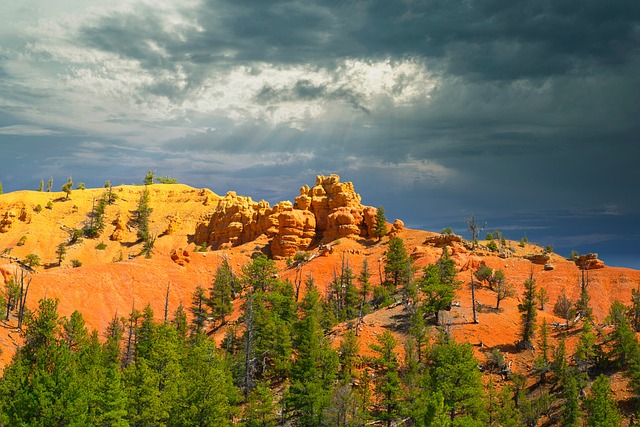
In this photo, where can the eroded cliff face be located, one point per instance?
(328, 211)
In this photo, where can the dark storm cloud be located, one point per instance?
(534, 106)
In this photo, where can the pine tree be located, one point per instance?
(260, 410)
(586, 349)
(502, 289)
(542, 363)
(571, 409)
(529, 312)
(220, 294)
(61, 252)
(148, 178)
(49, 185)
(364, 280)
(454, 372)
(1, 190)
(198, 309)
(348, 352)
(143, 215)
(67, 187)
(41, 186)
(388, 386)
(314, 368)
(380, 226)
(398, 266)
(601, 407)
(543, 297)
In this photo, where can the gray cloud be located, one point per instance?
(436, 109)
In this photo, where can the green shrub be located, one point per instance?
(101, 246)
(38, 208)
(22, 241)
(49, 205)
(76, 263)
(489, 236)
(447, 231)
(492, 246)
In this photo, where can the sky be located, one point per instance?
(524, 114)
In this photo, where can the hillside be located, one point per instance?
(195, 229)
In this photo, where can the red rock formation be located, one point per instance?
(296, 231)
(328, 211)
(589, 262)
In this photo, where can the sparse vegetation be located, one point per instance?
(61, 251)
(22, 241)
(166, 180)
(76, 263)
(447, 231)
(101, 246)
(148, 178)
(32, 260)
(49, 205)
(67, 187)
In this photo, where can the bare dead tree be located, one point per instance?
(473, 298)
(475, 228)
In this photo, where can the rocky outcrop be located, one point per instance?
(328, 211)
(540, 259)
(589, 262)
(7, 221)
(173, 225)
(440, 240)
(296, 231)
(120, 229)
(237, 220)
(181, 258)
(337, 209)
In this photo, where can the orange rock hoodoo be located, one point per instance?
(328, 211)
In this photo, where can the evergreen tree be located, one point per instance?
(542, 363)
(582, 305)
(543, 297)
(1, 190)
(502, 289)
(260, 274)
(348, 352)
(571, 409)
(67, 187)
(601, 407)
(198, 309)
(61, 252)
(398, 270)
(207, 394)
(314, 368)
(364, 279)
(438, 285)
(380, 226)
(260, 410)
(42, 385)
(454, 372)
(41, 186)
(529, 312)
(148, 178)
(387, 386)
(49, 184)
(586, 349)
(143, 215)
(220, 294)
